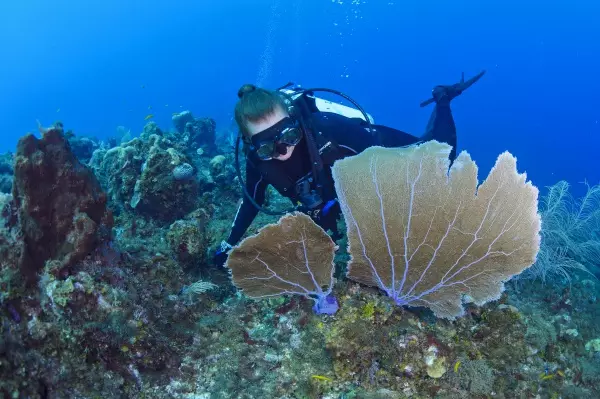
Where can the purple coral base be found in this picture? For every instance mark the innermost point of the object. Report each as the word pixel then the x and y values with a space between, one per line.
pixel 326 304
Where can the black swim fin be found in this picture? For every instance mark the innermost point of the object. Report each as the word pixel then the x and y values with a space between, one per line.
pixel 447 93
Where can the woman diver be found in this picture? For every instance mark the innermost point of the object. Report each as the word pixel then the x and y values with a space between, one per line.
pixel 291 144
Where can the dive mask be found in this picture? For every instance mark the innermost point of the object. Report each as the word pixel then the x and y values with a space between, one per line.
pixel 275 140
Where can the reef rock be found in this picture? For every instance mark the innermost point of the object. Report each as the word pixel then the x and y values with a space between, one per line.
pixel 82 147
pixel 11 247
pixel 195 133
pixel 157 192
pixel 188 239
pixel 118 169
pixel 60 206
pixel 222 170
pixel 151 129
pixel 144 176
pixel 181 119
pixel 6 173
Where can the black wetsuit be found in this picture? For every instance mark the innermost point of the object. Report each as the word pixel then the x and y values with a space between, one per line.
pixel 350 136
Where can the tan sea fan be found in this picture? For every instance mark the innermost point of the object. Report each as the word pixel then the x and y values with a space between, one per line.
pixel 293 256
pixel 429 237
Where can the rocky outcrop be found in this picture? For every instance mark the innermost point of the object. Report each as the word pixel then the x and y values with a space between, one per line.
pixel 6 172
pixel 60 206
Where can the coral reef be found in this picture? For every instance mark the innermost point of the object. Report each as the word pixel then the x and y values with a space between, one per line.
pixel 157 191
pixel 188 239
pixel 59 204
pixel 11 248
pixel 474 376
pixel 136 310
pixel 6 172
pixel 82 147
pixel 195 133
pixel 144 176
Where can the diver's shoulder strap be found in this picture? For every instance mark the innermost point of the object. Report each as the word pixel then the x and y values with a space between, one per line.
pixel 328 152
pixel 327 145
pixel 298 100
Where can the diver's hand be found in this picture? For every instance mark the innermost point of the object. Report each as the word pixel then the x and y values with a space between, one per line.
pixel 221 254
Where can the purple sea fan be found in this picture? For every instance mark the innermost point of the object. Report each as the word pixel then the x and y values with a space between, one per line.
pixel 429 237
pixel 293 256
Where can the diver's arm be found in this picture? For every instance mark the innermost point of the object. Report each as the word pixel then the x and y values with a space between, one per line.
pixel 256 187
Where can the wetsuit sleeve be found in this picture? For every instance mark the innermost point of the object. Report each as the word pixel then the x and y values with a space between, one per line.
pixel 256 187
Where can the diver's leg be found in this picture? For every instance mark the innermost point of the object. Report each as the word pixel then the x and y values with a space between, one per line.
pixel 441 127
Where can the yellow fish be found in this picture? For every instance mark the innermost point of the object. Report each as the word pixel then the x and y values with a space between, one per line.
pixel 149 116
pixel 322 378
pixel 456 366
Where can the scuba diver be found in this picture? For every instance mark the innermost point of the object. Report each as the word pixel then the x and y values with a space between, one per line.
pixel 292 138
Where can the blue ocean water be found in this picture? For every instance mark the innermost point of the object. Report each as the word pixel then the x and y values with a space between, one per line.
pixel 96 65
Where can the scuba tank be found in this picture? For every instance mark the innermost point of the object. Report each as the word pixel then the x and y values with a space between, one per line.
pixel 294 92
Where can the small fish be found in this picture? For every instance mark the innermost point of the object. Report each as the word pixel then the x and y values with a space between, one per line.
pixel 456 366
pixel 166 105
pixel 143 86
pixel 58 110
pixel 149 116
pixel 322 378
pixel 149 106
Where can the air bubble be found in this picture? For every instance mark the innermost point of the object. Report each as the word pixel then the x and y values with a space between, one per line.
pixel 266 58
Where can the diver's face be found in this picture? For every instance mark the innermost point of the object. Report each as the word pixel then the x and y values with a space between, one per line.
pixel 276 116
